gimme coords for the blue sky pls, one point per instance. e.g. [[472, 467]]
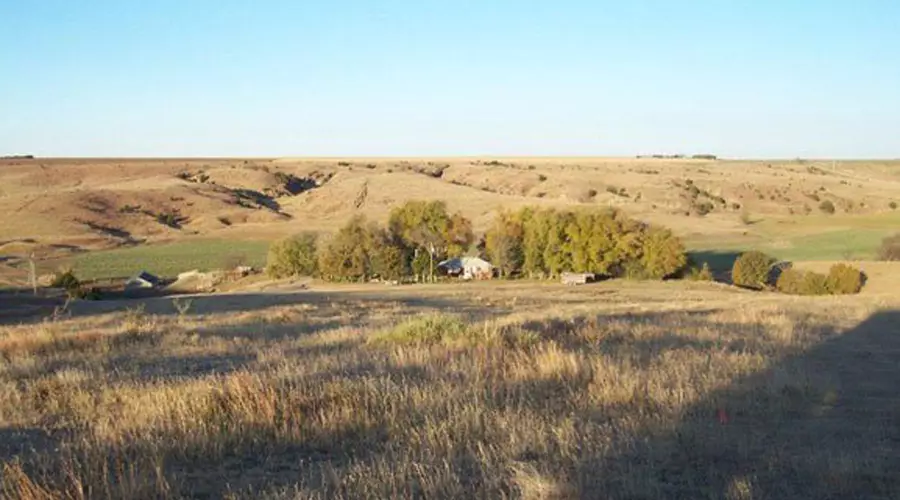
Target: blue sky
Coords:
[[740, 78]]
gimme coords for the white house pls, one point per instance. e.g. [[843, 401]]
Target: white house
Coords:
[[467, 268]]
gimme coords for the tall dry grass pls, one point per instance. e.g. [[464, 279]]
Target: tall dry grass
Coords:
[[650, 403]]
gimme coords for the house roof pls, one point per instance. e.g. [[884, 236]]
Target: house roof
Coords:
[[465, 262], [145, 276]]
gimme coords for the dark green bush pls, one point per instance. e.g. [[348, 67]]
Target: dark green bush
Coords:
[[65, 280], [751, 270], [893, 205], [827, 207]]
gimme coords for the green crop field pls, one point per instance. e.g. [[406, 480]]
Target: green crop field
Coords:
[[169, 259]]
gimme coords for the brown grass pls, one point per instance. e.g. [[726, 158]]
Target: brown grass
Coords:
[[639, 390]]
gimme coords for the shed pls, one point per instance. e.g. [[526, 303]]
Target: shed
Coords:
[[467, 268], [142, 280]]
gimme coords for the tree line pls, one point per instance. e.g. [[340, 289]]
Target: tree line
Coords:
[[532, 242]]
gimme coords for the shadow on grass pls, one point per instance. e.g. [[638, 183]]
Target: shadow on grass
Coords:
[[822, 423], [819, 424]]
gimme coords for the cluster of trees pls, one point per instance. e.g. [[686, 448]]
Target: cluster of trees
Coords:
[[544, 243], [538, 243], [758, 271], [418, 235]]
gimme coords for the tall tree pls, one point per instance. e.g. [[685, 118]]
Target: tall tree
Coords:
[[426, 227], [503, 243]]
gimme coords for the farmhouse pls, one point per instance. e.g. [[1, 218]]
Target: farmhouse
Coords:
[[467, 268]]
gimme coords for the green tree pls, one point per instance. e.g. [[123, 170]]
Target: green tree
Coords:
[[427, 227], [536, 232], [662, 254], [293, 256], [346, 255], [578, 235], [556, 257], [751, 270], [604, 256], [458, 236], [388, 257], [503, 243]]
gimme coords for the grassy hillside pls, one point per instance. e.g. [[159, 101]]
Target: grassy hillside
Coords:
[[616, 390]]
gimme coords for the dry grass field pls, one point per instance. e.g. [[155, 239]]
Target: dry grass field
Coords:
[[504, 389], [513, 390]]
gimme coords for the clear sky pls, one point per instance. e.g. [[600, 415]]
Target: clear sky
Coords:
[[738, 78]]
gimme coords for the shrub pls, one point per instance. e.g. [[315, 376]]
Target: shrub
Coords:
[[790, 281], [704, 208], [702, 273], [827, 207], [424, 330], [751, 270], [893, 205], [293, 256], [841, 280], [65, 280], [890, 248], [814, 284], [797, 282], [844, 280], [542, 177]]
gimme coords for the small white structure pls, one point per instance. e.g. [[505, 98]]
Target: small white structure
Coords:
[[467, 268], [577, 278], [142, 281]]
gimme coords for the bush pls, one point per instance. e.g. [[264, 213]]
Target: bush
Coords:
[[890, 248], [704, 208], [845, 280], [433, 329], [814, 284], [790, 281], [65, 280], [797, 282], [751, 270], [293, 256], [702, 273], [827, 207], [841, 280], [893, 205]]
